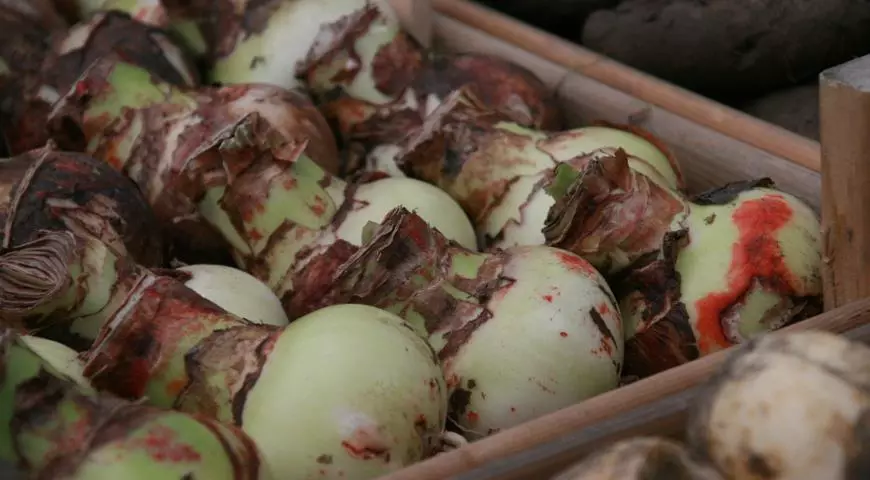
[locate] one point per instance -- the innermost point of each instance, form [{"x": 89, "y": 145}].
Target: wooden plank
[
  {"x": 666, "y": 417},
  {"x": 765, "y": 136},
  {"x": 559, "y": 428},
  {"x": 709, "y": 158},
  {"x": 845, "y": 133}
]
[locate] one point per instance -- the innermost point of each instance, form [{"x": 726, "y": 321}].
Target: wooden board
[
  {"x": 655, "y": 405},
  {"x": 698, "y": 109},
  {"x": 710, "y": 157}
]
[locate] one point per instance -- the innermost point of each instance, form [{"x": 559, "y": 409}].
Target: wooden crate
[{"x": 714, "y": 144}]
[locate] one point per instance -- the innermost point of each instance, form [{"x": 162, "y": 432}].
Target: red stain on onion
[{"x": 756, "y": 254}]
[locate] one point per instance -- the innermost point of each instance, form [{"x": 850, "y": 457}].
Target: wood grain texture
[
  {"x": 700, "y": 110},
  {"x": 844, "y": 107},
  {"x": 655, "y": 405}
]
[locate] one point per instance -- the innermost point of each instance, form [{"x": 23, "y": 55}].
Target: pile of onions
[
  {"x": 54, "y": 427},
  {"x": 490, "y": 317}
]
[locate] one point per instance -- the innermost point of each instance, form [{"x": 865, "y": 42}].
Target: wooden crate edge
[
  {"x": 753, "y": 131},
  {"x": 546, "y": 444}
]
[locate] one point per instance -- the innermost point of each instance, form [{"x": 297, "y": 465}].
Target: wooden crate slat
[{"x": 698, "y": 109}]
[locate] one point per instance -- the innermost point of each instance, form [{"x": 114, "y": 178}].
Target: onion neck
[
  {"x": 65, "y": 286},
  {"x": 408, "y": 268}
]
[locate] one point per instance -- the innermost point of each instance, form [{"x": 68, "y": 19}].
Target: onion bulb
[
  {"x": 520, "y": 332},
  {"x": 744, "y": 259},
  {"x": 52, "y": 428},
  {"x": 640, "y": 458},
  {"x": 33, "y": 93},
  {"x": 236, "y": 292},
  {"x": 349, "y": 391},
  {"x": 787, "y": 406},
  {"x": 268, "y": 199},
  {"x": 502, "y": 175},
  {"x": 374, "y": 200}
]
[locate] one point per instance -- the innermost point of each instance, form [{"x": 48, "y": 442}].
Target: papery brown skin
[
  {"x": 60, "y": 430},
  {"x": 70, "y": 53},
  {"x": 25, "y": 32},
  {"x": 47, "y": 189},
  {"x": 223, "y": 140},
  {"x": 414, "y": 81},
  {"x": 458, "y": 150},
  {"x": 640, "y": 458},
  {"x": 665, "y": 335},
  {"x": 612, "y": 215},
  {"x": 142, "y": 351}
]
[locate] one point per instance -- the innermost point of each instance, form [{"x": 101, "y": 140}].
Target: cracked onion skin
[
  {"x": 520, "y": 332},
  {"x": 53, "y": 428},
  {"x": 744, "y": 260},
  {"x": 502, "y": 174},
  {"x": 640, "y": 458},
  {"x": 372, "y": 80},
  {"x": 787, "y": 406},
  {"x": 237, "y": 167},
  {"x": 71, "y": 52},
  {"x": 349, "y": 391},
  {"x": 49, "y": 189}
]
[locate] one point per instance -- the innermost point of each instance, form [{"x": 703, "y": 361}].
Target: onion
[
  {"x": 501, "y": 173},
  {"x": 31, "y": 97},
  {"x": 371, "y": 79},
  {"x": 239, "y": 171},
  {"x": 520, "y": 333},
  {"x": 25, "y": 27},
  {"x": 787, "y": 406},
  {"x": 640, "y": 458},
  {"x": 64, "y": 360},
  {"x": 64, "y": 286},
  {"x": 276, "y": 48},
  {"x": 347, "y": 391},
  {"x": 53, "y": 428},
  {"x": 744, "y": 260},
  {"x": 236, "y": 292},
  {"x": 374, "y": 200},
  {"x": 47, "y": 189}
]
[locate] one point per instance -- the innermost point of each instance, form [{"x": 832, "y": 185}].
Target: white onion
[
  {"x": 237, "y": 292},
  {"x": 372, "y": 201},
  {"x": 341, "y": 380},
  {"x": 554, "y": 339}
]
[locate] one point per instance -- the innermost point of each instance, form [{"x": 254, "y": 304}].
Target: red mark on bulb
[
  {"x": 756, "y": 254},
  {"x": 563, "y": 334}
]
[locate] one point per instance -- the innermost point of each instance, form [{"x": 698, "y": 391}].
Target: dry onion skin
[
  {"x": 53, "y": 428},
  {"x": 520, "y": 332},
  {"x": 517, "y": 185},
  {"x": 238, "y": 167},
  {"x": 788, "y": 406},
  {"x": 743, "y": 260},
  {"x": 371, "y": 79},
  {"x": 349, "y": 391},
  {"x": 32, "y": 93},
  {"x": 641, "y": 458},
  {"x": 25, "y": 32}
]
